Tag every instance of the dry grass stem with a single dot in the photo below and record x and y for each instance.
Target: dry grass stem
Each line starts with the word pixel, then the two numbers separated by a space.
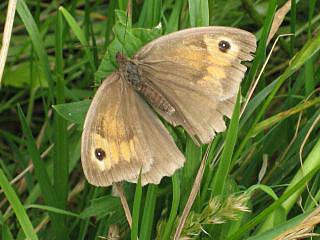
pixel 7 35
pixel 194 191
pixel 304 229
pixel 119 190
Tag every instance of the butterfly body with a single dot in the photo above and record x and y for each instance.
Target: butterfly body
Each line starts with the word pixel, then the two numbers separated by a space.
pixel 190 78
pixel 129 70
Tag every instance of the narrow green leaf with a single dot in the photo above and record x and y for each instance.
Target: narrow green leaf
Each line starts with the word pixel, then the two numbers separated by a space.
pixel 150 14
pixel 80 35
pixel 199 13
pixel 18 208
pixel 174 206
pixel 149 212
pixel 219 180
pixel 173 22
pixel 275 119
pixel 61 161
pixel 54 210
pixel 136 209
pixel 37 43
pixel 39 166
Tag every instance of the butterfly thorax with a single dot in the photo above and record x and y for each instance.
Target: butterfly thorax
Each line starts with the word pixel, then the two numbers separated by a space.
pixel 130 72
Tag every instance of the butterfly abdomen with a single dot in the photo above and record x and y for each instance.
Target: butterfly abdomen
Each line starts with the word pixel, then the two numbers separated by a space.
pixel 151 94
pixel 155 98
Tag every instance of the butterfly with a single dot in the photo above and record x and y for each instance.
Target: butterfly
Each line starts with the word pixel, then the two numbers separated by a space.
pixel 190 78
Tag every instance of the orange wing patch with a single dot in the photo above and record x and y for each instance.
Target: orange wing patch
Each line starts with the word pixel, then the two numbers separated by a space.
pixel 114 138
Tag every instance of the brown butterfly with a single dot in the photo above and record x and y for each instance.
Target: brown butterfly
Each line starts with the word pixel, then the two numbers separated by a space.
pixel 190 78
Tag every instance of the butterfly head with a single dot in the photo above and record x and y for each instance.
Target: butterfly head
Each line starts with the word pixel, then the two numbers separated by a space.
pixel 121 59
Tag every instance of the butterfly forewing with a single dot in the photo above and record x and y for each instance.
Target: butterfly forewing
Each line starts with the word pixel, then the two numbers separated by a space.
pixel 115 144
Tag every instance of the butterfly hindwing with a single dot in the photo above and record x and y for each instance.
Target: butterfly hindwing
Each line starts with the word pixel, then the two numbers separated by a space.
pixel 121 136
pixel 199 71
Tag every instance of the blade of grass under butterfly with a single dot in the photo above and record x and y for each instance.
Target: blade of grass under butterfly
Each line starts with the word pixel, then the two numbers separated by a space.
pixel 37 43
pixel 220 178
pixel 174 208
pixel 80 35
pixel 193 154
pixel 148 212
pixel 136 210
pixel 18 208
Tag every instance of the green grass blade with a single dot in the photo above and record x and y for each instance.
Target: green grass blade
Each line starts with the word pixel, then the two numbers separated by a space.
pixel 54 210
pixel 149 212
pixel 37 43
pixel 219 180
pixel 174 208
pixel 262 46
pixel 311 163
pixel 18 208
pixel 42 176
pixel 150 14
pixel 39 166
pixel 136 210
pixel 277 118
pixel 80 35
pixel 110 22
pixel 199 13
pixel 193 154
pixel 61 161
pixel 308 69
pixel 173 22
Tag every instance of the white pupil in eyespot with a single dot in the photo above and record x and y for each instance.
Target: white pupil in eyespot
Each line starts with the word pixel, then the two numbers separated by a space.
pixel 224 46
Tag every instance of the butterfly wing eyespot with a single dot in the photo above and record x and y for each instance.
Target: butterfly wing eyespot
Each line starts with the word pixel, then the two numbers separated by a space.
pixel 224 46
pixel 100 154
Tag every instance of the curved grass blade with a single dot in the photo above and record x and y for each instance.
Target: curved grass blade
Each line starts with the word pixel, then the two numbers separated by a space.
pixel 37 43
pixel 18 208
